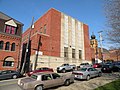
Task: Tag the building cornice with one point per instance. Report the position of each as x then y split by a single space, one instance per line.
9 36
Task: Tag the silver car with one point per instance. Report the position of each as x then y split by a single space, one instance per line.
86 73
40 81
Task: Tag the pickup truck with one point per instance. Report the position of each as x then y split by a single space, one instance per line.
66 67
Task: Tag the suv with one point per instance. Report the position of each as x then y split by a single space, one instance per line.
65 67
85 65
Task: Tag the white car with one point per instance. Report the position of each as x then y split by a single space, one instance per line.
86 73
85 65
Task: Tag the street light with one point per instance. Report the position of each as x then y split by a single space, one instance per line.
100 35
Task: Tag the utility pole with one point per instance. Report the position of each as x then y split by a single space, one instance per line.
27 47
37 51
100 35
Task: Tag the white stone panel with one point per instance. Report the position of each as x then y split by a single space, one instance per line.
66 31
73 32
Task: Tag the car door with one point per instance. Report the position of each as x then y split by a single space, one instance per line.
47 80
91 72
96 72
57 79
1 75
4 75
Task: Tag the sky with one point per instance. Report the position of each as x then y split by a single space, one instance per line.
90 12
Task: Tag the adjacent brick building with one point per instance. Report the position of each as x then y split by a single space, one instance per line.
63 40
10 42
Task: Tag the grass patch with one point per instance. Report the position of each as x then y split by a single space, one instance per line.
115 85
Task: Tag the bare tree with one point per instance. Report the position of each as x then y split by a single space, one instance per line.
112 12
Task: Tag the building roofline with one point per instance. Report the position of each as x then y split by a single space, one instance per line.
56 10
9 18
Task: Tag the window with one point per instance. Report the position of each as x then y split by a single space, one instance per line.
65 51
34 76
55 76
10 29
1 44
46 77
7 46
41 30
9 61
7 29
44 29
73 53
80 54
13 47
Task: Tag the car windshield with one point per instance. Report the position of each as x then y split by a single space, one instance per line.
106 66
82 64
34 76
64 65
82 69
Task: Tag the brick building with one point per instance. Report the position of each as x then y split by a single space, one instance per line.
63 40
10 42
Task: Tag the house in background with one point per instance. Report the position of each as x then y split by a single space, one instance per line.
10 42
56 39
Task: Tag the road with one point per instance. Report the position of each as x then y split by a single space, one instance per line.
9 84
78 85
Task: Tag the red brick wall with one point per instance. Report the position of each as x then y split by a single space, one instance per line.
88 51
14 54
50 40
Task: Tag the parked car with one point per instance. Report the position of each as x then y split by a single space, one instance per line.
117 64
97 65
42 69
65 67
7 74
73 66
85 65
108 68
86 73
43 80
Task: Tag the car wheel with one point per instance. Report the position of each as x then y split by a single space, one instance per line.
39 88
14 76
88 77
67 82
73 68
64 71
99 74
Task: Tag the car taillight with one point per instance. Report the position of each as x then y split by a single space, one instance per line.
77 73
95 66
80 73
31 72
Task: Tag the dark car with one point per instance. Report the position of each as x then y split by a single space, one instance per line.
106 68
7 74
42 69
109 68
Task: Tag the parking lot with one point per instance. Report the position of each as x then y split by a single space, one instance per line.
77 85
91 84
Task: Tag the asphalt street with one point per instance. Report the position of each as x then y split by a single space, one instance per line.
9 84
106 78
